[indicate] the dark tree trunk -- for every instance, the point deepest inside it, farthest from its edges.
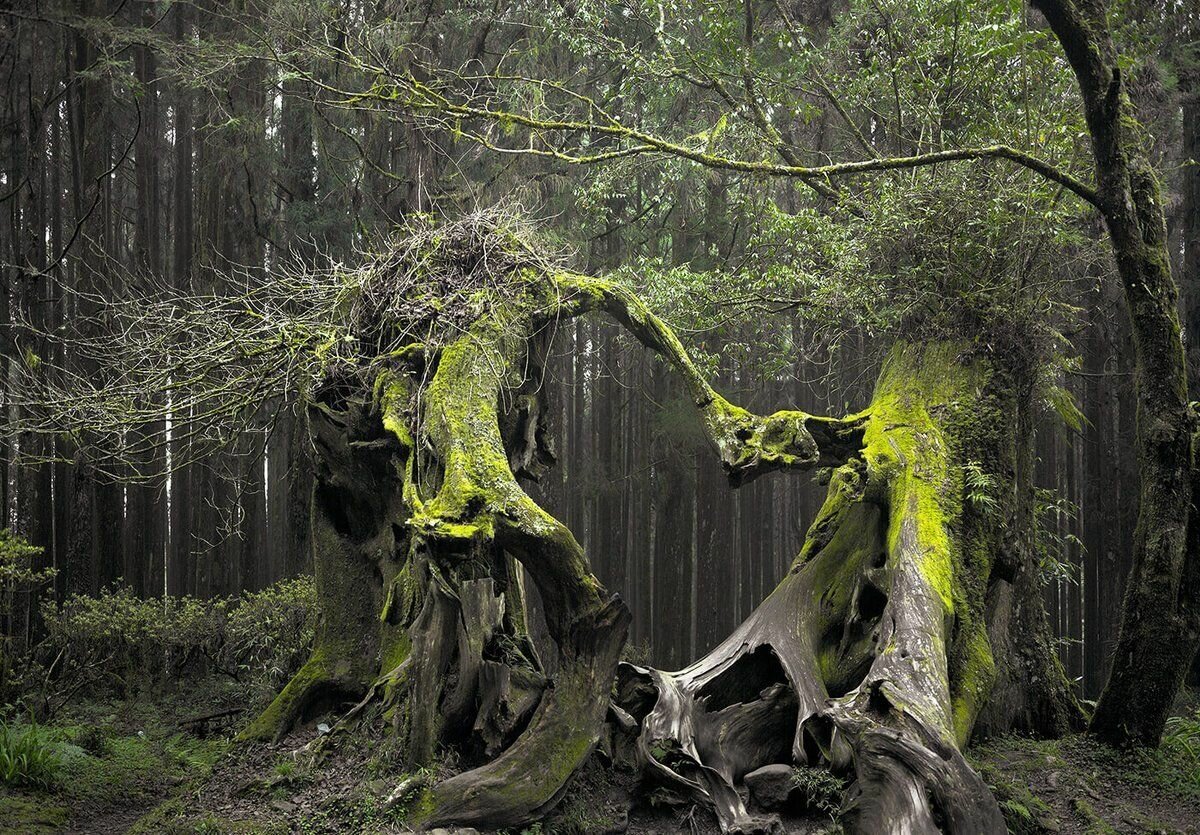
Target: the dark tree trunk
(1160, 623)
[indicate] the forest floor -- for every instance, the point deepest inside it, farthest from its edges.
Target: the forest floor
(143, 767)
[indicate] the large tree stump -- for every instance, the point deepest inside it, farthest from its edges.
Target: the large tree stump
(871, 656)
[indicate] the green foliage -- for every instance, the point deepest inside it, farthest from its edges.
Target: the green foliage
(268, 633)
(359, 811)
(1181, 739)
(20, 582)
(1054, 542)
(116, 642)
(820, 789)
(28, 756)
(16, 564)
(118, 637)
(980, 486)
(762, 268)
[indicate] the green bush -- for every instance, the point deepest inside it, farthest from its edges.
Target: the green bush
(20, 583)
(269, 633)
(28, 757)
(118, 643)
(117, 638)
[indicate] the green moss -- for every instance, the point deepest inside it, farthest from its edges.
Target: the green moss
(171, 819)
(904, 447)
(1095, 824)
(418, 808)
(164, 818)
(392, 396)
(396, 649)
(1024, 812)
(30, 815)
(282, 712)
(972, 676)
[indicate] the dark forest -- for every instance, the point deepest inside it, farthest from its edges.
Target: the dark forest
(596, 417)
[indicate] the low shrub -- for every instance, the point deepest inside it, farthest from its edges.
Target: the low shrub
(116, 643)
(20, 583)
(119, 639)
(268, 633)
(821, 790)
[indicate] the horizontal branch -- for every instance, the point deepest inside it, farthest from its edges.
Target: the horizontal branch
(425, 98)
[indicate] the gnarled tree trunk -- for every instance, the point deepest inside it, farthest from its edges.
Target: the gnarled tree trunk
(872, 655)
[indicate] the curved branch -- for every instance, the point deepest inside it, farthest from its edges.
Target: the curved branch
(748, 445)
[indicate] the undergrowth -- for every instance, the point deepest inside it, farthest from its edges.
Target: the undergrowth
(28, 756)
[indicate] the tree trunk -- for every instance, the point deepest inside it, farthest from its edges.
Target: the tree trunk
(1160, 622)
(872, 656)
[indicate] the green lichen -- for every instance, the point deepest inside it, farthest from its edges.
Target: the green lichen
(392, 395)
(904, 446)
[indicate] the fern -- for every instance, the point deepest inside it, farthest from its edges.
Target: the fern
(980, 487)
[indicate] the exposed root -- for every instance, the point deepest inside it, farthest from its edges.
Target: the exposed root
(848, 659)
(523, 784)
(319, 685)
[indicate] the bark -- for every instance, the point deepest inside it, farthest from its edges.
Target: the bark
(1189, 228)
(873, 656)
(415, 550)
(1031, 693)
(1160, 623)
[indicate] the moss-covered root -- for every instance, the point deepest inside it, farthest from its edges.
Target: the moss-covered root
(320, 681)
(879, 608)
(525, 782)
(355, 513)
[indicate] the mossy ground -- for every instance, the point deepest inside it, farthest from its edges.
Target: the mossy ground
(129, 768)
(1078, 785)
(117, 758)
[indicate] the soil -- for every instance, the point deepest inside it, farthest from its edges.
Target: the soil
(1077, 785)
(315, 783)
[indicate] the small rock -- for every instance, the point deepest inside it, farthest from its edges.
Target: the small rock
(770, 825)
(285, 806)
(770, 786)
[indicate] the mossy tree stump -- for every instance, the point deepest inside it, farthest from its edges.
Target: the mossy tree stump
(872, 657)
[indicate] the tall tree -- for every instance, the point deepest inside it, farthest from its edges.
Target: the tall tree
(1160, 622)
